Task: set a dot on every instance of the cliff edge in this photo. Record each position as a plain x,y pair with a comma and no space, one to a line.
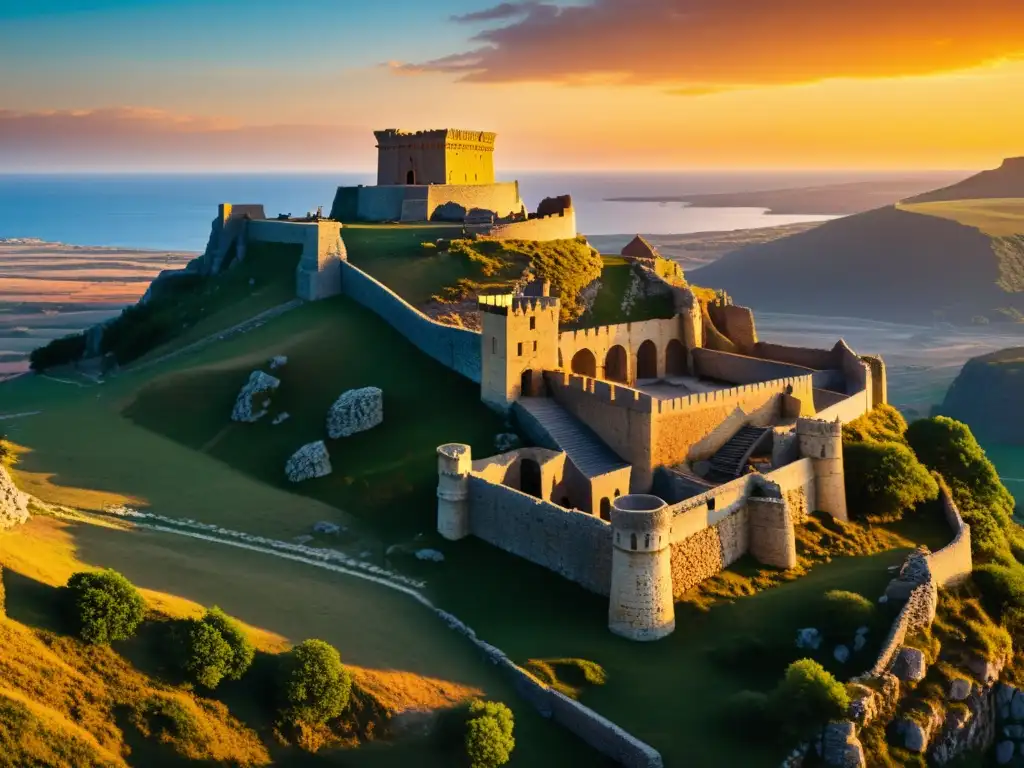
987,396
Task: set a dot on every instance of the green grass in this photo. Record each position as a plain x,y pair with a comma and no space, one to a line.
998,217
607,308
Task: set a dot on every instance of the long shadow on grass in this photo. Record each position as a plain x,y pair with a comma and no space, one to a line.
33,603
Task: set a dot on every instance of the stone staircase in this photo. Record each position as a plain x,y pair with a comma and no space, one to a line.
731,459
585,449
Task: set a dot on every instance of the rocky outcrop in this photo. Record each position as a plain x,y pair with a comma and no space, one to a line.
13,503
310,461
252,401
986,396
355,411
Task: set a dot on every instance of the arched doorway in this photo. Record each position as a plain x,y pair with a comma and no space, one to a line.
615,367
584,363
529,477
410,177
675,358
526,384
647,361
606,509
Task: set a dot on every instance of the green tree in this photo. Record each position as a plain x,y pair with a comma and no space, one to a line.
885,479
489,740
242,651
315,686
104,606
882,424
807,698
207,655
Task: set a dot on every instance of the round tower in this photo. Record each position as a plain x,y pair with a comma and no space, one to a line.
454,463
640,606
822,443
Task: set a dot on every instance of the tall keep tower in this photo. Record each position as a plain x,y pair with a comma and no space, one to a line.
640,606
822,443
519,341
443,156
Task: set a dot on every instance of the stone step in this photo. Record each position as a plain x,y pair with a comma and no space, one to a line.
584,448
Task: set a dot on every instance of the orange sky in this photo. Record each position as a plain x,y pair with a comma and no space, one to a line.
604,84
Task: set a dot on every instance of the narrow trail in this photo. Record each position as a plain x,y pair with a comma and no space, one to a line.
8,416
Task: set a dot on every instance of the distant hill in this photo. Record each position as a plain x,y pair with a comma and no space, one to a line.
987,396
1005,181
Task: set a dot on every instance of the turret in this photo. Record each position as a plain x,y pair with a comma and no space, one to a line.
519,341
822,443
640,605
454,464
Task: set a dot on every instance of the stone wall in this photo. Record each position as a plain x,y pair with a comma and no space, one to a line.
318,274
451,202
846,409
573,544
796,484
772,536
558,226
736,323
740,369
953,563
629,336
456,348
710,550
818,359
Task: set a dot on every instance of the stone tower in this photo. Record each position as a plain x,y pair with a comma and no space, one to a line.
640,605
454,462
440,156
519,341
822,443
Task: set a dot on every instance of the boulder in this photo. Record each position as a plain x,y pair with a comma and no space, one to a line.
910,665
841,654
914,737
987,671
13,503
329,528
258,386
1004,752
1004,694
355,411
859,642
808,637
506,441
311,460
430,554
278,361
840,746
1015,732
959,689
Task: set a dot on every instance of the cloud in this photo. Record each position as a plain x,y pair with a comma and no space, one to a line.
136,137
704,46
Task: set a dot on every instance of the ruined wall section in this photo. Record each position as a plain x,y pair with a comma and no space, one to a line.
740,369
573,544
817,359
627,335
422,202
556,226
318,274
455,348
736,323
953,563
451,202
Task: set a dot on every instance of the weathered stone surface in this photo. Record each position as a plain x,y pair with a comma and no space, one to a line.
987,671
326,527
841,654
283,416
1014,732
863,705
959,689
1004,694
355,411
910,665
808,637
859,642
914,737
13,503
1004,752
259,385
430,554
840,746
311,460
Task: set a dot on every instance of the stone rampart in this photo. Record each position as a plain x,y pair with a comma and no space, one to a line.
953,563
740,369
456,348
451,202
846,409
818,359
557,226
433,202
318,274
711,549
736,323
573,544
796,484
629,336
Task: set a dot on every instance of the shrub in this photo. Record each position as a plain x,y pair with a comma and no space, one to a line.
949,447
62,351
489,740
206,654
882,424
104,606
242,651
315,685
807,698
885,479
844,612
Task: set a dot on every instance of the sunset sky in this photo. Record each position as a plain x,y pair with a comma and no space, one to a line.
595,84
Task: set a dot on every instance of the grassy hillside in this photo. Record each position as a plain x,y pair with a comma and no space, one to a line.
1006,181
607,309
886,264
997,216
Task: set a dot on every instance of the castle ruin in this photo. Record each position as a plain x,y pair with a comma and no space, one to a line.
663,450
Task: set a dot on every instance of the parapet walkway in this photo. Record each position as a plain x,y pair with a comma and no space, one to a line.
584,448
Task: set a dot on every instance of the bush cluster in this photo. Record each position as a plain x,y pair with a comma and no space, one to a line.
885,479
62,351
843,613
315,686
214,647
489,740
103,606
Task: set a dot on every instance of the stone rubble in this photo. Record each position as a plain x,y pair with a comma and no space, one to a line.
310,461
808,637
910,665
13,503
278,361
841,654
259,383
959,689
430,554
283,416
357,410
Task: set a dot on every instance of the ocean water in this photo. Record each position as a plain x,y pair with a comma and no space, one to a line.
173,211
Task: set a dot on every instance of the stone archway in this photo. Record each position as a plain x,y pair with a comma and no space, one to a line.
410,177
606,509
529,477
616,365
675,358
647,361
584,363
526,384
